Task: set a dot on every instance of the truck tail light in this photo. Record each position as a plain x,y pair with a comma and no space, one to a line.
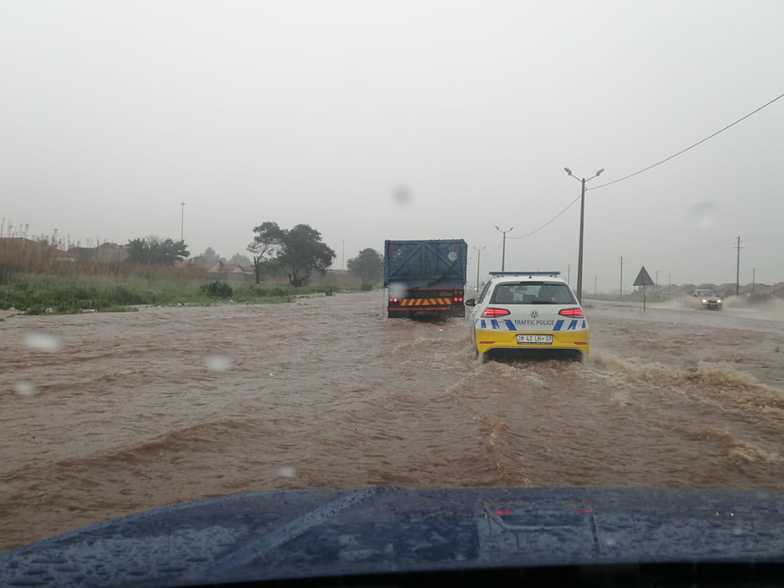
393,300
494,312
571,312
457,299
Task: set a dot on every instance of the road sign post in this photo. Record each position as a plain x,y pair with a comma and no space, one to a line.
642,280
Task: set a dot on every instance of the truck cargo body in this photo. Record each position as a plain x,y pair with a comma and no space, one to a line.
425,277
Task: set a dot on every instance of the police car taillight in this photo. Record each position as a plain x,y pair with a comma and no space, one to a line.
494,312
572,312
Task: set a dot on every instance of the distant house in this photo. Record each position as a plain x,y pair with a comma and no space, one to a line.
111,253
23,247
22,254
20,243
104,253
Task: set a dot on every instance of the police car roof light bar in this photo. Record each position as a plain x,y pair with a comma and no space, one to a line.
554,274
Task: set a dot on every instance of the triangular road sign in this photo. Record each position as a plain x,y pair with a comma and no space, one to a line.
643,279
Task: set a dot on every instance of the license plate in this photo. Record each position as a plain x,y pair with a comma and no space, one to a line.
541,339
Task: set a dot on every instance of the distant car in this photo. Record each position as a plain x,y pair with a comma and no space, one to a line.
526,311
711,301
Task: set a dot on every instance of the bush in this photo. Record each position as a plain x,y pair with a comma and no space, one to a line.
217,289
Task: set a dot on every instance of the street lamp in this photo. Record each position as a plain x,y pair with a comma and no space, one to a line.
182,221
582,222
503,246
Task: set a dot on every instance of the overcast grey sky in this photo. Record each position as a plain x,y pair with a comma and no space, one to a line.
314,112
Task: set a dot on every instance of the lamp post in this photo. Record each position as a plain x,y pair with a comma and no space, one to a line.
582,181
182,221
503,244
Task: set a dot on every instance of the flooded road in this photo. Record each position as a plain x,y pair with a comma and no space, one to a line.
134,410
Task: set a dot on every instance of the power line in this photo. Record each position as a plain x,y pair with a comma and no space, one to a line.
548,223
690,147
653,165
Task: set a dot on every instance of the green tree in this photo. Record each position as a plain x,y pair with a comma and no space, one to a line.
368,266
264,248
304,252
156,251
298,251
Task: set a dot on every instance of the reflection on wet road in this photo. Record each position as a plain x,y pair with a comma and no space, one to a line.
123,412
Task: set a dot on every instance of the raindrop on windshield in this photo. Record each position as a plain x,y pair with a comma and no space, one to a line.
287,472
402,195
217,363
25,389
43,342
397,290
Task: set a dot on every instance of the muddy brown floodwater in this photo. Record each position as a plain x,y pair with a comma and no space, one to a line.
137,410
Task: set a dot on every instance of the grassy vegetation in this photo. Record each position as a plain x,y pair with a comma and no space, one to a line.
38,294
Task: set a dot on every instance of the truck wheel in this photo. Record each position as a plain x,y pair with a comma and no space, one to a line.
483,357
395,314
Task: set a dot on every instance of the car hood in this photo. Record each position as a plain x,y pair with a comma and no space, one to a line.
296,534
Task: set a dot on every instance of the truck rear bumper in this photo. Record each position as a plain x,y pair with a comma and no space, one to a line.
407,312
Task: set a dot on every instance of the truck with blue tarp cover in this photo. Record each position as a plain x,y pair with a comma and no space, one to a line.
425,277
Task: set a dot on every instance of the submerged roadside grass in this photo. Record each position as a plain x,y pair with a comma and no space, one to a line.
58,295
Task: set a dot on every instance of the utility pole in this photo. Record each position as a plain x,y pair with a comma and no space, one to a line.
753,278
580,248
669,283
657,279
582,223
620,289
182,221
595,285
343,253
737,270
503,244
478,258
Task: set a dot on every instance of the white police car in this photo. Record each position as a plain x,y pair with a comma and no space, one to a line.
525,311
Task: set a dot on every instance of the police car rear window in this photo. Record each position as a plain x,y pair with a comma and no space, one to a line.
484,292
532,293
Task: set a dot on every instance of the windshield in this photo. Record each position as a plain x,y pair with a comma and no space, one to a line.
330,245
532,293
